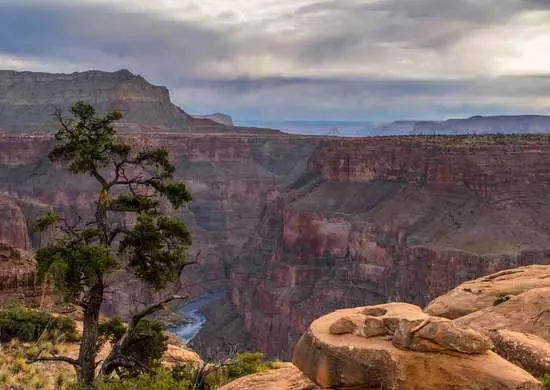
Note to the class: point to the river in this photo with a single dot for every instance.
(191, 312)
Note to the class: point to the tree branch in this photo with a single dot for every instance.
(63, 359)
(115, 356)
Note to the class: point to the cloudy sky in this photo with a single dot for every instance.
(301, 59)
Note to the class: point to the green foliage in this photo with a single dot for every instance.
(247, 363)
(185, 377)
(45, 221)
(501, 299)
(74, 266)
(86, 251)
(25, 324)
(82, 255)
(546, 381)
(156, 244)
(87, 146)
(161, 381)
(147, 342)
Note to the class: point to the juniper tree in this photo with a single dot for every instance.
(135, 186)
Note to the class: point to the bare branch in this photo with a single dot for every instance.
(63, 359)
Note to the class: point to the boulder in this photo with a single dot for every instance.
(439, 335)
(288, 377)
(525, 350)
(483, 293)
(353, 361)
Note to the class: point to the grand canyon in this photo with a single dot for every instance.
(288, 227)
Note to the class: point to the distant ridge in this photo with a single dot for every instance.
(504, 124)
(27, 100)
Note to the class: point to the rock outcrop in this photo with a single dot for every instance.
(525, 350)
(18, 282)
(13, 225)
(353, 360)
(288, 377)
(223, 119)
(510, 307)
(26, 98)
(484, 293)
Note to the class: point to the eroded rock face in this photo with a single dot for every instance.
(374, 221)
(13, 225)
(352, 361)
(18, 282)
(231, 177)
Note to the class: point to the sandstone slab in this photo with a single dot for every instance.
(525, 350)
(288, 377)
(528, 313)
(439, 335)
(351, 361)
(482, 293)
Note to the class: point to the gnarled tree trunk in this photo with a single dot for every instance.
(88, 345)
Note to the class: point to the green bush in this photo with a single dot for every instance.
(25, 324)
(247, 363)
(500, 299)
(546, 381)
(163, 380)
(147, 343)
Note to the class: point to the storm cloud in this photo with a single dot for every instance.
(334, 59)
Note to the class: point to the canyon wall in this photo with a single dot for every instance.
(390, 219)
(231, 177)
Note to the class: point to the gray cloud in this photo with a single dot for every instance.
(353, 58)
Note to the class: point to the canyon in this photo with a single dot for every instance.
(292, 227)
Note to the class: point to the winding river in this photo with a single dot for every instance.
(191, 312)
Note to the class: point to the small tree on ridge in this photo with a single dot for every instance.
(130, 185)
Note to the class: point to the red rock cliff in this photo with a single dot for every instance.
(391, 219)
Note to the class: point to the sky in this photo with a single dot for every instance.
(357, 60)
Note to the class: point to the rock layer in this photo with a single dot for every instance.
(383, 220)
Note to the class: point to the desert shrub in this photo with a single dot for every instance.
(25, 324)
(546, 381)
(163, 380)
(247, 363)
(500, 299)
(206, 378)
(147, 343)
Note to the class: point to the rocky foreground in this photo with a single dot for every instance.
(495, 336)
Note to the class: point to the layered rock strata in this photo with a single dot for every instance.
(380, 220)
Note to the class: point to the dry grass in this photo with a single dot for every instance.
(17, 374)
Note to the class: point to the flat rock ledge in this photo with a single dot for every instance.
(398, 346)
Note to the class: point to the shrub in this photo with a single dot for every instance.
(147, 343)
(25, 324)
(500, 299)
(161, 381)
(546, 381)
(247, 363)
